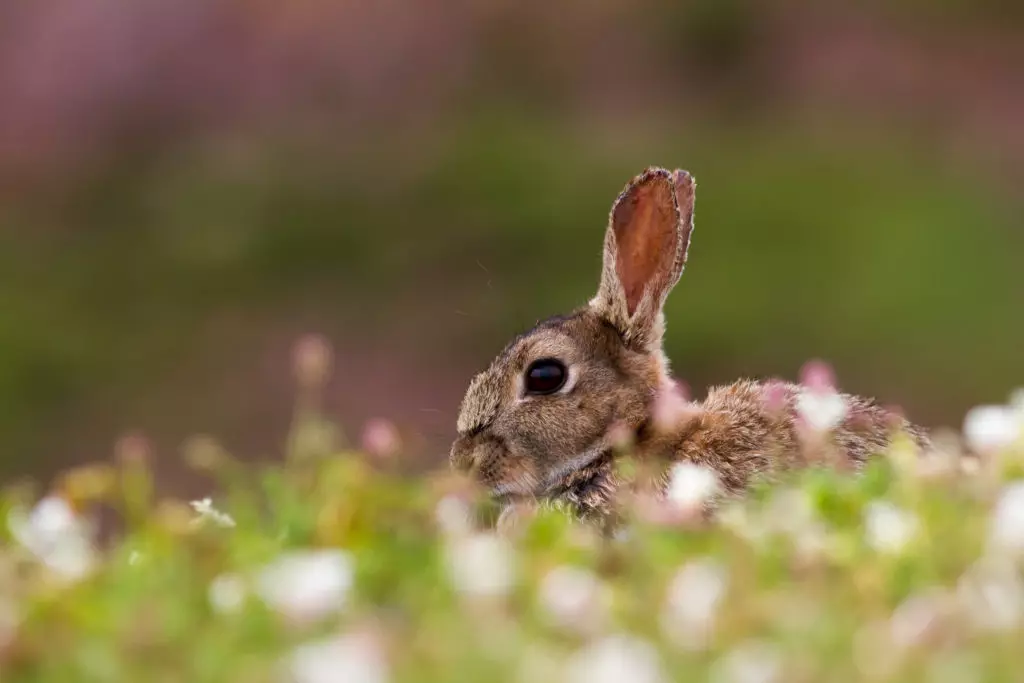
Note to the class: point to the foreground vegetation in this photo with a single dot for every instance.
(332, 567)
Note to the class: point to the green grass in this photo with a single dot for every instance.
(842, 245)
(806, 589)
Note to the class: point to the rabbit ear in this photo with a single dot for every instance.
(645, 250)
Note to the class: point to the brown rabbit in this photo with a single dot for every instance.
(542, 421)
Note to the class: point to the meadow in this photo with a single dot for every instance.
(331, 564)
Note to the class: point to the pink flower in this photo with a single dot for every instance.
(671, 407)
(774, 396)
(818, 376)
(380, 438)
(620, 436)
(312, 358)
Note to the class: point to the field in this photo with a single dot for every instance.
(332, 566)
(251, 254)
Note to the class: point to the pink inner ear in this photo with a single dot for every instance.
(644, 222)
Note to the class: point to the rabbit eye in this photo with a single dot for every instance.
(545, 377)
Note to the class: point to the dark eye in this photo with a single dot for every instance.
(545, 377)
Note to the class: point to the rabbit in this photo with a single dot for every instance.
(542, 422)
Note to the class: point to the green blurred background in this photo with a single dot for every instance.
(189, 186)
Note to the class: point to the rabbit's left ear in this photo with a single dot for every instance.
(645, 250)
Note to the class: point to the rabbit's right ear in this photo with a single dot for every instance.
(645, 250)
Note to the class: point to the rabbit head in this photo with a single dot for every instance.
(548, 405)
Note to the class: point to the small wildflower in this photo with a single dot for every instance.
(56, 536)
(671, 407)
(614, 659)
(775, 396)
(818, 376)
(481, 565)
(691, 605)
(989, 429)
(453, 515)
(204, 508)
(307, 586)
(312, 358)
(572, 598)
(751, 662)
(380, 439)
(821, 411)
(691, 486)
(353, 658)
(888, 529)
(818, 404)
(227, 593)
(1006, 526)
(620, 436)
(133, 447)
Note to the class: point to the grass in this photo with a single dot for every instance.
(856, 245)
(330, 565)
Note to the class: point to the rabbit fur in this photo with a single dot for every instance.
(561, 446)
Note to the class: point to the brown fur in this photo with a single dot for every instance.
(560, 446)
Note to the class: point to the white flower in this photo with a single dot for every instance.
(751, 662)
(572, 597)
(56, 536)
(888, 529)
(690, 485)
(991, 595)
(352, 658)
(989, 429)
(227, 593)
(821, 409)
(306, 586)
(206, 511)
(481, 565)
(453, 515)
(615, 659)
(1006, 526)
(694, 594)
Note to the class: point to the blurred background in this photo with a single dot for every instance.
(188, 187)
